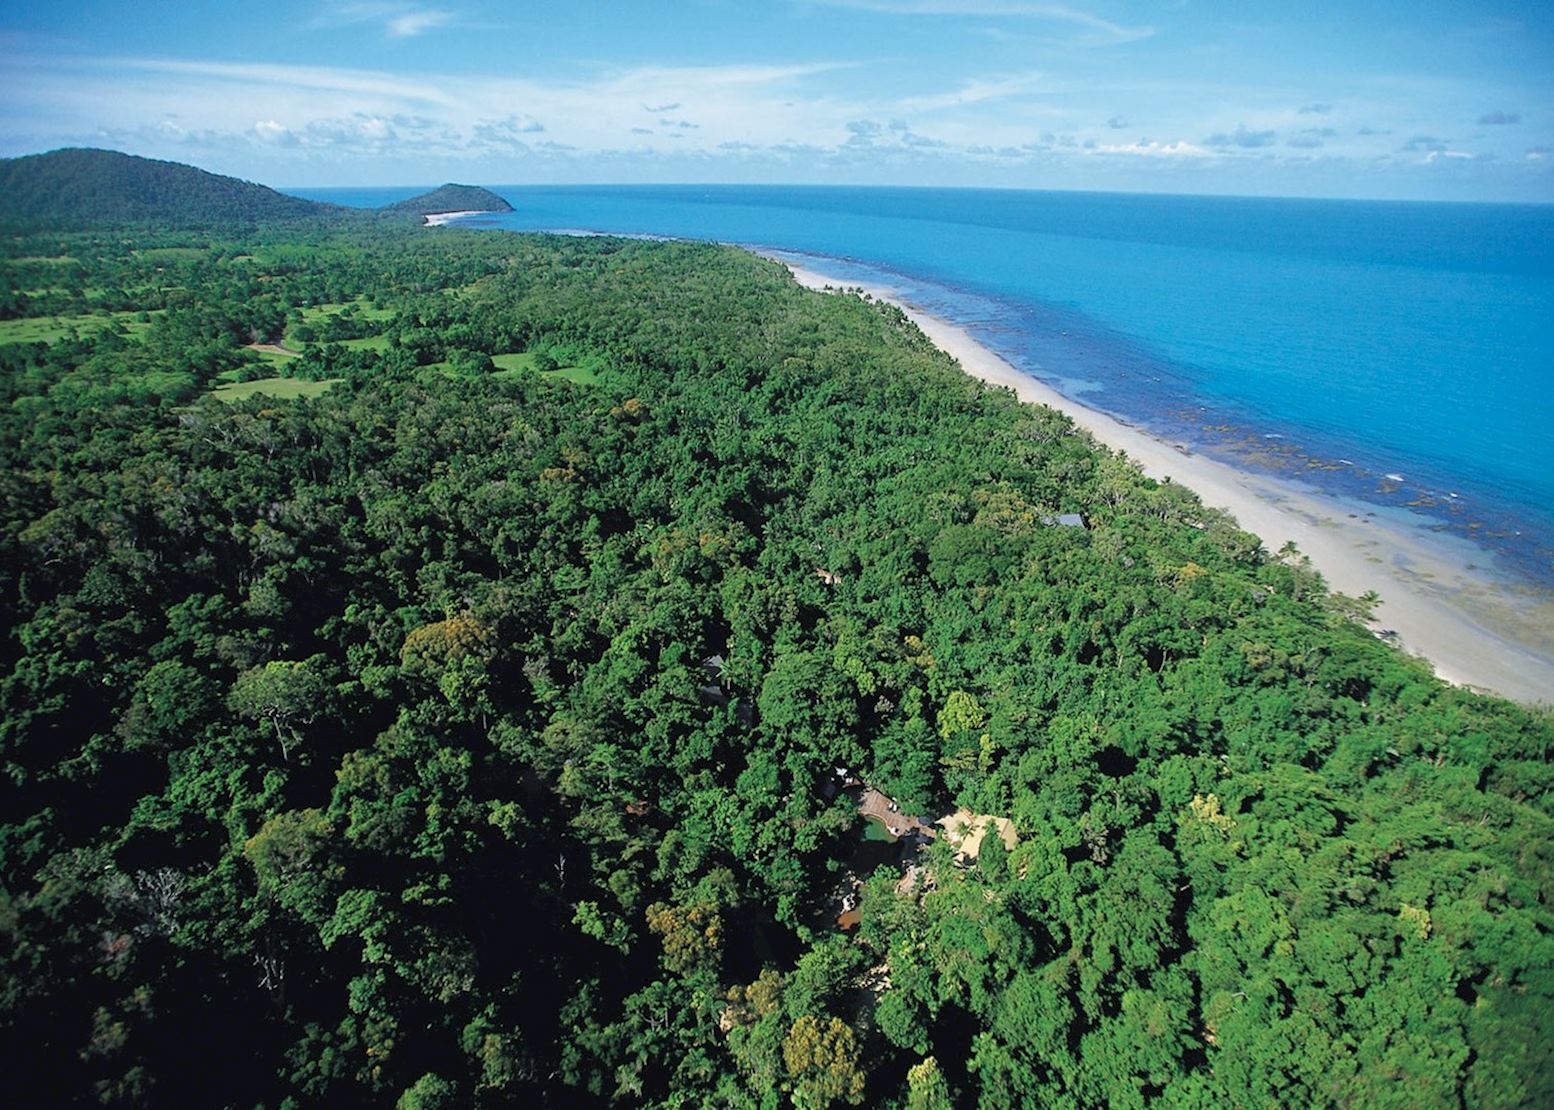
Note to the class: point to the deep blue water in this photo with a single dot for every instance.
(1335, 341)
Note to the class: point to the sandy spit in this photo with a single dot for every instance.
(1474, 628)
(437, 219)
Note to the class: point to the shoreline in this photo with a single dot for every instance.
(440, 219)
(1473, 627)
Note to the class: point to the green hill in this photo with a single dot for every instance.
(92, 187)
(453, 198)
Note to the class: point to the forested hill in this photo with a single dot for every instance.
(87, 188)
(466, 698)
(453, 198)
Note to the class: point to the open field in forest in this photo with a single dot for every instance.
(47, 329)
(314, 313)
(172, 254)
(282, 388)
(366, 343)
(510, 364)
(273, 354)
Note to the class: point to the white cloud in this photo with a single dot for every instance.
(357, 134)
(74, 100)
(975, 91)
(1149, 149)
(396, 19)
(1242, 137)
(269, 131)
(291, 77)
(296, 124)
(1098, 31)
(411, 24)
(507, 131)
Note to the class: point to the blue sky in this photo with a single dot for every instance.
(1417, 99)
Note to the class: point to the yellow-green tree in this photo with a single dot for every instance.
(822, 1059)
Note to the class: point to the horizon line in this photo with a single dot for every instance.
(294, 190)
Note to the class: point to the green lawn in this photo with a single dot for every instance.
(367, 343)
(523, 361)
(47, 329)
(511, 364)
(317, 312)
(281, 388)
(314, 313)
(274, 358)
(170, 253)
(582, 375)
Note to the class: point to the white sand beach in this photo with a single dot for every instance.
(1476, 629)
(437, 219)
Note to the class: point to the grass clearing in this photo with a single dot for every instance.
(517, 361)
(270, 353)
(511, 365)
(49, 329)
(582, 375)
(314, 313)
(360, 310)
(367, 343)
(172, 253)
(280, 388)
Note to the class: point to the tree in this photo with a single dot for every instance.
(993, 855)
(290, 858)
(287, 694)
(430, 1092)
(171, 702)
(693, 935)
(927, 1088)
(822, 1059)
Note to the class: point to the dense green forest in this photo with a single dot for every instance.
(446, 668)
(453, 198)
(83, 187)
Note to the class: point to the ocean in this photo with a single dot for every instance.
(1401, 353)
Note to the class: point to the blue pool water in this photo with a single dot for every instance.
(1401, 352)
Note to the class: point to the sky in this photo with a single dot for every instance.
(1407, 99)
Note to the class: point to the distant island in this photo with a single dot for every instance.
(451, 198)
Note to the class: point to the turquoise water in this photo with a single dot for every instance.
(1401, 352)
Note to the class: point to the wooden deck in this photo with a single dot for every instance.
(871, 803)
